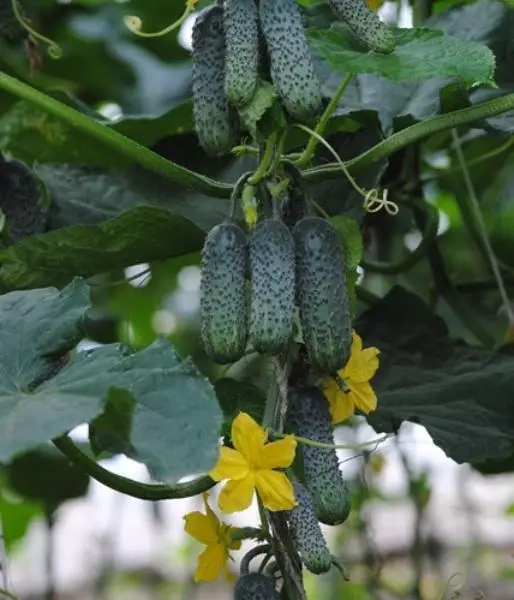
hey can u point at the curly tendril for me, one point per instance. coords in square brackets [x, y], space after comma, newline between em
[54, 50]
[135, 23]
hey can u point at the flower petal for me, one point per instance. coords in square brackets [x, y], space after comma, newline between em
[342, 407]
[237, 495]
[331, 389]
[227, 531]
[231, 465]
[364, 366]
[248, 437]
[275, 490]
[199, 527]
[278, 454]
[363, 397]
[211, 563]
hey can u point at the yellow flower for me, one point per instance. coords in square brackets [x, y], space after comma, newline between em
[375, 4]
[207, 529]
[356, 375]
[250, 466]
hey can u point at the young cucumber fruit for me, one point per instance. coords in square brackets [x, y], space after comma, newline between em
[255, 586]
[242, 50]
[222, 293]
[322, 294]
[308, 416]
[272, 270]
[365, 25]
[291, 65]
[215, 123]
[307, 533]
[20, 201]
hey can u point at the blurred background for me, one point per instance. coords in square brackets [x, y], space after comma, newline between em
[422, 527]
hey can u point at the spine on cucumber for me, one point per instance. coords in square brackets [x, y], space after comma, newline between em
[222, 293]
[291, 64]
[215, 123]
[272, 271]
[307, 533]
[322, 294]
[242, 50]
[255, 586]
[308, 416]
[365, 25]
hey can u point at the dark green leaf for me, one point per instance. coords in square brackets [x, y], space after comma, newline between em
[462, 395]
[16, 516]
[111, 430]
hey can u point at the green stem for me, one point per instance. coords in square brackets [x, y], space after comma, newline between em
[412, 259]
[413, 134]
[115, 140]
[323, 122]
[251, 554]
[129, 487]
[472, 208]
[266, 160]
[309, 442]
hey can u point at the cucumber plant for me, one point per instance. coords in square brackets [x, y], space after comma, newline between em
[267, 189]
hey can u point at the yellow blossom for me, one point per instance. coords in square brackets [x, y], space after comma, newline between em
[250, 466]
[356, 376]
[207, 529]
[375, 4]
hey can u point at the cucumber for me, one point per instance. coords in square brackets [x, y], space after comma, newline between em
[215, 123]
[20, 201]
[322, 294]
[222, 293]
[255, 586]
[272, 271]
[307, 533]
[10, 30]
[308, 416]
[291, 65]
[365, 25]
[242, 50]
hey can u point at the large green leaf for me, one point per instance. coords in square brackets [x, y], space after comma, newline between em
[462, 395]
[138, 235]
[419, 54]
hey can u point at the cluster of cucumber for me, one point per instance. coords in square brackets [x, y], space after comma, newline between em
[250, 284]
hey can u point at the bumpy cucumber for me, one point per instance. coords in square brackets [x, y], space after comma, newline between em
[309, 417]
[215, 123]
[322, 293]
[307, 533]
[20, 201]
[255, 586]
[10, 30]
[222, 293]
[272, 271]
[242, 50]
[365, 25]
[291, 65]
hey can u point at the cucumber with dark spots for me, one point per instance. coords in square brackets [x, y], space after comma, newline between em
[255, 586]
[272, 271]
[365, 25]
[322, 293]
[308, 416]
[242, 50]
[222, 293]
[291, 65]
[216, 125]
[307, 534]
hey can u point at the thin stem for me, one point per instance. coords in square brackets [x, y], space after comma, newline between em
[129, 487]
[49, 555]
[478, 219]
[251, 554]
[415, 133]
[265, 161]
[115, 140]
[323, 122]
[363, 445]
[264, 519]
[3, 561]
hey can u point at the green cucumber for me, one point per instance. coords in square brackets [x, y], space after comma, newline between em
[365, 25]
[291, 65]
[215, 122]
[307, 534]
[10, 29]
[322, 294]
[20, 201]
[272, 271]
[242, 50]
[222, 293]
[308, 416]
[255, 586]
